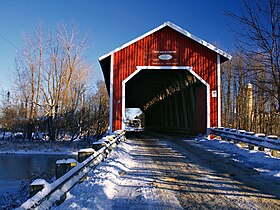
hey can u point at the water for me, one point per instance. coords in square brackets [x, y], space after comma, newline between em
[15, 168]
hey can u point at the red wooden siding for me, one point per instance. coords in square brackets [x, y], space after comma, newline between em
[140, 53]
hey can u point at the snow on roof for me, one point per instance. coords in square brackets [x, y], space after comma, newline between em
[177, 28]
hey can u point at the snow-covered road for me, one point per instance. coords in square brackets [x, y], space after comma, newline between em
[148, 172]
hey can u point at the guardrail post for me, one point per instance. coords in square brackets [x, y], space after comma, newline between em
[36, 186]
[243, 145]
[108, 140]
[63, 166]
[258, 140]
[251, 147]
[98, 145]
[236, 141]
[274, 153]
[261, 149]
[85, 153]
[55, 192]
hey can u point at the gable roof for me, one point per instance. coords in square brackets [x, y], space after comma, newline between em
[180, 30]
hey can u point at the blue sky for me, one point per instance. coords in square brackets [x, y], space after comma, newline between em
[111, 23]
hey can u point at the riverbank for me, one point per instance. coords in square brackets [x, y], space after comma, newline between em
[22, 149]
[41, 147]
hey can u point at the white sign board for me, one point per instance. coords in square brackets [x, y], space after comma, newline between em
[214, 94]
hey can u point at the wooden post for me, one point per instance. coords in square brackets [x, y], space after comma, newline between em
[251, 147]
[98, 145]
[170, 111]
[85, 153]
[63, 166]
[36, 186]
[274, 153]
[176, 105]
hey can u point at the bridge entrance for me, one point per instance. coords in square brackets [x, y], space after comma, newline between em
[171, 75]
[172, 98]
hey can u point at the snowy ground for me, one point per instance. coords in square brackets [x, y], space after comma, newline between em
[158, 174]
[40, 147]
[10, 200]
[260, 161]
[120, 183]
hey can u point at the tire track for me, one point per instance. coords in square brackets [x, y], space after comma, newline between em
[196, 180]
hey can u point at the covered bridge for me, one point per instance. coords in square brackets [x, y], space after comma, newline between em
[171, 75]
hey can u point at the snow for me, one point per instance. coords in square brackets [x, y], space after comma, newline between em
[40, 147]
[260, 135]
[63, 161]
[15, 198]
[66, 161]
[87, 150]
[29, 204]
[115, 184]
[110, 137]
[71, 160]
[39, 182]
[99, 142]
[248, 136]
[261, 161]
[272, 137]
[62, 185]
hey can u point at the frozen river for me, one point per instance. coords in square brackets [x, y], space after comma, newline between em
[14, 168]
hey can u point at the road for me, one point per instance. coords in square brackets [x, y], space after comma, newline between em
[149, 171]
[200, 179]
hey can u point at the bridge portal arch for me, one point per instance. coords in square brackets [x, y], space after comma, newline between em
[163, 71]
[165, 93]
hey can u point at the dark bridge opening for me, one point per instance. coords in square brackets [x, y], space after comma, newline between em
[172, 100]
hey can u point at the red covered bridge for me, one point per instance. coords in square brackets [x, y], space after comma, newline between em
[171, 75]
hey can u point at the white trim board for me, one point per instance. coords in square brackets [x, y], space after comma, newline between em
[187, 68]
[219, 88]
[111, 94]
[177, 28]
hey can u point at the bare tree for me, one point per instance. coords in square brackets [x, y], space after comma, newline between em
[247, 106]
[52, 76]
[259, 39]
[101, 121]
[29, 67]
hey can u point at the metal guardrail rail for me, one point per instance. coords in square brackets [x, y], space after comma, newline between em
[270, 142]
[54, 193]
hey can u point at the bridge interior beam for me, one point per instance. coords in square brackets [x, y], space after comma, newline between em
[169, 99]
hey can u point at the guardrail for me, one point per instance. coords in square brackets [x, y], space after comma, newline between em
[54, 193]
[249, 139]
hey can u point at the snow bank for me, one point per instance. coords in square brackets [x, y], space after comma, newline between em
[40, 147]
[55, 192]
[261, 161]
[115, 184]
